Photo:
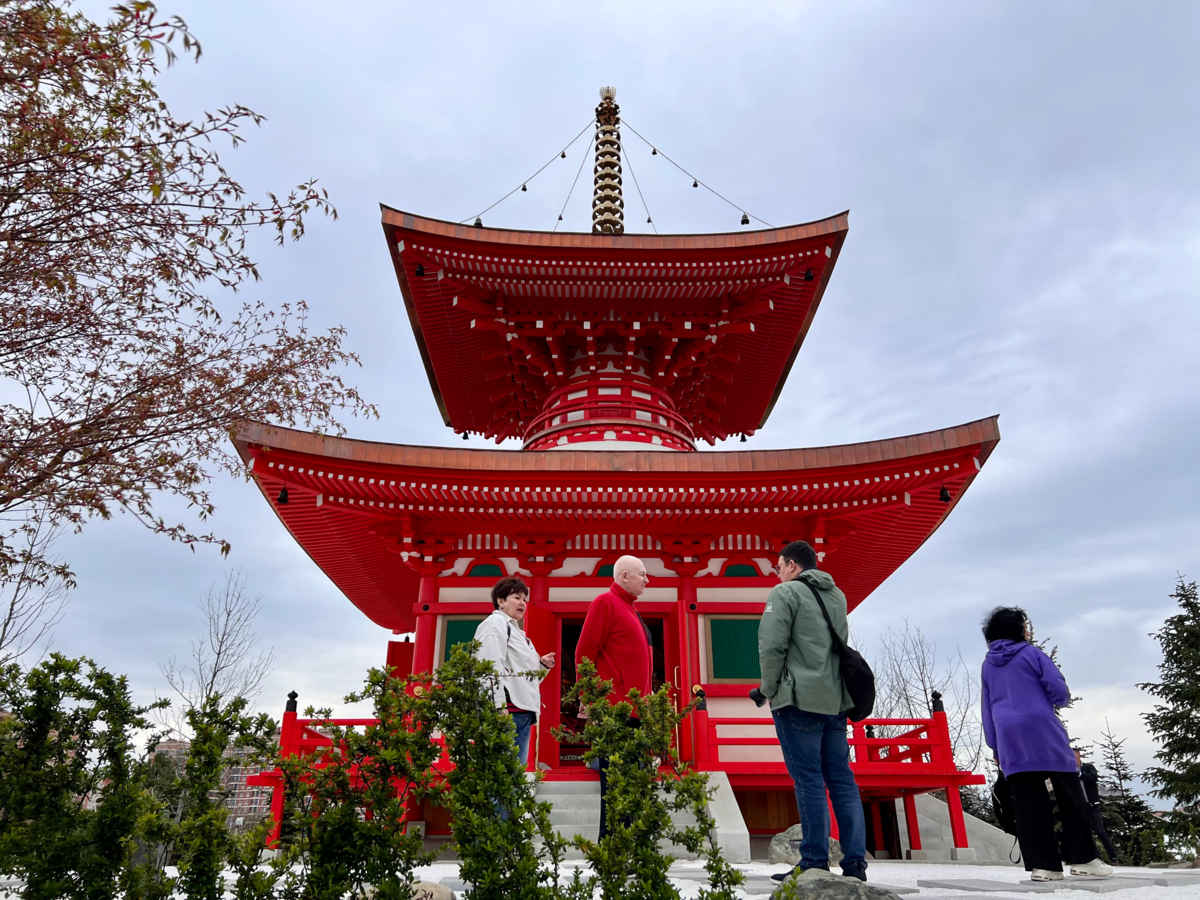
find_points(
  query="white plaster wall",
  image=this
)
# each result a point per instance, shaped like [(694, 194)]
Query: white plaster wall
[(587, 594), (465, 594), (733, 595), (761, 753), (737, 708), (577, 565)]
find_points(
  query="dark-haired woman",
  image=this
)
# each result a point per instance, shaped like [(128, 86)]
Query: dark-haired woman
[(503, 642), (1021, 689)]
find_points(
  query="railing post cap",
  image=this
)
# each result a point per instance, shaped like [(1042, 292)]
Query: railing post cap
[(291, 704)]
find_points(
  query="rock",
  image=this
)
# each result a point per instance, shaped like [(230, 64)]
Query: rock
[(782, 852), (817, 884), (428, 890)]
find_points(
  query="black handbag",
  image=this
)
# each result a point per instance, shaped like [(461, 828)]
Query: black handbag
[(1002, 804), (856, 673)]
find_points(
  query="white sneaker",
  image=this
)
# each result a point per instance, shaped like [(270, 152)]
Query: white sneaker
[(1095, 867), (1045, 875)]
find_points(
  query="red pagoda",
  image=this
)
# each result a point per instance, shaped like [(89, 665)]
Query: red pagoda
[(611, 356)]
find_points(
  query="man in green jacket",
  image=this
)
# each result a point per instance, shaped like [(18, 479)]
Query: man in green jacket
[(802, 677)]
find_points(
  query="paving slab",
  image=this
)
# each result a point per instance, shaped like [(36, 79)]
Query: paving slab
[(1166, 879), (985, 886), (1102, 885)]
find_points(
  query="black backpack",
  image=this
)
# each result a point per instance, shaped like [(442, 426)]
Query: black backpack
[(856, 673)]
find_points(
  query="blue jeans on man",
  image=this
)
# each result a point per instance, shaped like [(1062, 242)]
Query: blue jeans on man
[(817, 757)]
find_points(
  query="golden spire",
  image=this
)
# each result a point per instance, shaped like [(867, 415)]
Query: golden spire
[(608, 208)]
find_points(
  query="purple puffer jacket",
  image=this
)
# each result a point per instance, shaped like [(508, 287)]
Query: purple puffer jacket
[(1021, 688)]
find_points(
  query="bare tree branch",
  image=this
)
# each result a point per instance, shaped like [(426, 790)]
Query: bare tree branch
[(36, 591), (226, 660), (908, 671)]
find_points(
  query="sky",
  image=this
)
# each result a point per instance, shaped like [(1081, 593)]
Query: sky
[(1024, 241)]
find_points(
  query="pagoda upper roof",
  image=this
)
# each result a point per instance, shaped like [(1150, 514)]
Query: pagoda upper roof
[(502, 317), (361, 508)]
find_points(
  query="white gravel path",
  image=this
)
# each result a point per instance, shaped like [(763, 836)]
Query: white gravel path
[(688, 876)]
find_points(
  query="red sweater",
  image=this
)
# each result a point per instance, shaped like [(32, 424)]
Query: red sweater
[(615, 639)]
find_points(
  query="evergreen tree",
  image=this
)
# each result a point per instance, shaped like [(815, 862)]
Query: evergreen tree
[(1175, 720), (1135, 831)]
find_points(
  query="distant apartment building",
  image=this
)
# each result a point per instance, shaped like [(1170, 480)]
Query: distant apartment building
[(246, 805)]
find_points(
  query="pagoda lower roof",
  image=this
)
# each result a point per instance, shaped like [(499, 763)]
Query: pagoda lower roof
[(370, 513), (502, 317)]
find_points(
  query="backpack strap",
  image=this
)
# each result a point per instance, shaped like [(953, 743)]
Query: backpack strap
[(838, 644)]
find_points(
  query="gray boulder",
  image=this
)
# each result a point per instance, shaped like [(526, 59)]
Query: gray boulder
[(817, 884), (782, 852), (428, 890)]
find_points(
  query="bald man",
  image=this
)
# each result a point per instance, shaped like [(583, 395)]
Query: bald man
[(616, 639), (614, 636)]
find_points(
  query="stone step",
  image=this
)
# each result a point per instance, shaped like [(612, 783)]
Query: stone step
[(556, 788), (561, 817)]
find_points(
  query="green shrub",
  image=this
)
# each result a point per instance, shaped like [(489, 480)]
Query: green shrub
[(646, 784), (496, 814), (346, 804), (72, 800)]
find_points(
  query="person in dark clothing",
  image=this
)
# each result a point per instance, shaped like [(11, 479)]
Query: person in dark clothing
[(1091, 789), (1021, 689)]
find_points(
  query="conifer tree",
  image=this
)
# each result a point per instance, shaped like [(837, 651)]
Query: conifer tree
[(1175, 720), (1127, 816)]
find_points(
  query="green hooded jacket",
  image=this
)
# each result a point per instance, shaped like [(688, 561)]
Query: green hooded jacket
[(795, 649)]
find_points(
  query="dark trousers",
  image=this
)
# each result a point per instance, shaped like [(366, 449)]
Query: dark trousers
[(603, 760), (1100, 832), (1035, 820)]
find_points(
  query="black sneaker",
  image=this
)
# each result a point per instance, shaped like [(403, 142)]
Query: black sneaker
[(784, 876), (858, 870)]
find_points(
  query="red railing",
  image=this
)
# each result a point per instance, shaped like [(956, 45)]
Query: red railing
[(917, 760), (302, 737)]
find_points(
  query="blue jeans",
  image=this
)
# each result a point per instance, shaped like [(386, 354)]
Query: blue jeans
[(524, 723), (818, 759)]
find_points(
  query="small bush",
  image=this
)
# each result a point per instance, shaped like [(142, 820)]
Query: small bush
[(646, 784)]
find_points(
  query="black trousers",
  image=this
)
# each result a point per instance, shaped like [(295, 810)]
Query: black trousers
[(1035, 820), (1100, 832)]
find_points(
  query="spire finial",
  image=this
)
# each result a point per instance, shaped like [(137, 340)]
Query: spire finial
[(608, 207)]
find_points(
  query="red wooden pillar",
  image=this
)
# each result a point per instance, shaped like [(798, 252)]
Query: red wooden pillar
[(287, 739), (834, 831), (911, 823), (877, 826), (684, 619), (958, 824), (541, 626), (427, 597)]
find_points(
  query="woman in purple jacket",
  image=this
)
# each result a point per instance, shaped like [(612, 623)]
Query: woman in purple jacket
[(1021, 689)]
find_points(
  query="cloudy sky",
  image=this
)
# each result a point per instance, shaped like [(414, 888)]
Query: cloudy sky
[(1025, 240)]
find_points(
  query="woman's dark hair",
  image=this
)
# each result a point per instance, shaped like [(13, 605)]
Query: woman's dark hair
[(1005, 623), (506, 587)]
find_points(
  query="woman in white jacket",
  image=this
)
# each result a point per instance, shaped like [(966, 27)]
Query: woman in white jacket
[(504, 644)]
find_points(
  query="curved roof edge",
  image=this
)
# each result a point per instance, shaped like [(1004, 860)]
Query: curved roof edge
[(985, 432), (575, 240)]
